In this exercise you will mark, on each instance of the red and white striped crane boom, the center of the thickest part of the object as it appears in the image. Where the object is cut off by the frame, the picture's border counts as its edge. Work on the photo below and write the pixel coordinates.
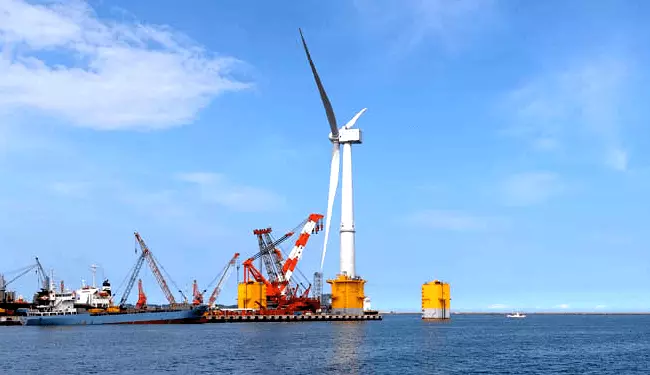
(313, 225)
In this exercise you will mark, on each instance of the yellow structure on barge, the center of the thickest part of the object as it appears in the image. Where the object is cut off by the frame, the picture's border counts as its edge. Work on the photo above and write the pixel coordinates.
(251, 295)
(436, 300)
(347, 295)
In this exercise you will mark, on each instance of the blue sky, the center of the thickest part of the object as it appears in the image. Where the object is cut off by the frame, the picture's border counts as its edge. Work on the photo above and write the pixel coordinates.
(504, 143)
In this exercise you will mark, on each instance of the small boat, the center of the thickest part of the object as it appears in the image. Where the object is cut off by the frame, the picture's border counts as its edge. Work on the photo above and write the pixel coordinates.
(516, 315)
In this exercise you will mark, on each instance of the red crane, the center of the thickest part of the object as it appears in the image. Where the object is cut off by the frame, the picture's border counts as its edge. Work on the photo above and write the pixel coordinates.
(142, 298)
(198, 297)
(278, 290)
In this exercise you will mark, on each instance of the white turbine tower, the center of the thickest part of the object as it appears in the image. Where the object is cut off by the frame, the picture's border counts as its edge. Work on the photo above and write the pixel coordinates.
(93, 267)
(345, 136)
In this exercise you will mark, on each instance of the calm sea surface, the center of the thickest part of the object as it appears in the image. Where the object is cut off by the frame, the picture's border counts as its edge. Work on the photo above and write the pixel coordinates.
(396, 345)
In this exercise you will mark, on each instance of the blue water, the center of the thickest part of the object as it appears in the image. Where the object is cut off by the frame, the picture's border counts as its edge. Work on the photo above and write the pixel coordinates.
(396, 345)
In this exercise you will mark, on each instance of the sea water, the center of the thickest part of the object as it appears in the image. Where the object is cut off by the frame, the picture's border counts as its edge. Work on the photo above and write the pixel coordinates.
(538, 344)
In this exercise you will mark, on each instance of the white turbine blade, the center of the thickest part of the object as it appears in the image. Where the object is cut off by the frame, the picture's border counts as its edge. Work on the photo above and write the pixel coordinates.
(354, 119)
(334, 182)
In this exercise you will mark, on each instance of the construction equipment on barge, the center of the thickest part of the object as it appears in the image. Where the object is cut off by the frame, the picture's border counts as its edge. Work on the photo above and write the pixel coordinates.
(10, 304)
(220, 280)
(277, 293)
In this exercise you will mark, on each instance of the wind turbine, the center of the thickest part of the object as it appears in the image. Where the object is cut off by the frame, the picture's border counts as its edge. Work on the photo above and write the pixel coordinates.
(93, 267)
(345, 136)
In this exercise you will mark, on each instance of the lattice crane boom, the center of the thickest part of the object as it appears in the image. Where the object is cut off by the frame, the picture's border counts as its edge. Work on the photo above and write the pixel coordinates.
(43, 274)
(154, 269)
(224, 277)
(134, 276)
(265, 252)
(268, 247)
(21, 272)
(273, 259)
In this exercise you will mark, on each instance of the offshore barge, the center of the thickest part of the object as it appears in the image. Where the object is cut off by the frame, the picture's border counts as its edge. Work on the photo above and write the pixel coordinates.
(9, 307)
(9, 310)
(10, 304)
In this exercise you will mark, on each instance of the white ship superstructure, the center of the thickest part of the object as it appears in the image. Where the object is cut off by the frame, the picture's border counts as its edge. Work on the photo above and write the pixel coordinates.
(49, 301)
(92, 297)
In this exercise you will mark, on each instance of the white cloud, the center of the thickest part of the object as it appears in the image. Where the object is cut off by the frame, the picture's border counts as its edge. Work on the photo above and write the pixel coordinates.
(454, 221)
(617, 159)
(69, 188)
(497, 306)
(577, 104)
(200, 178)
(600, 307)
(562, 306)
(410, 22)
(104, 74)
(530, 188)
(546, 143)
(163, 204)
(216, 188)
(17, 138)
(170, 209)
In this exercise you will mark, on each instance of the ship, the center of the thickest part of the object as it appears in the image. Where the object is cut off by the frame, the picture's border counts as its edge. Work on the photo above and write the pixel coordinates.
(92, 306)
(191, 314)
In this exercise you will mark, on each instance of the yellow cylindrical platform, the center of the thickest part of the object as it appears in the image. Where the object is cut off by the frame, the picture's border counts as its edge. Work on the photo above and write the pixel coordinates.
(436, 300)
(347, 295)
(251, 295)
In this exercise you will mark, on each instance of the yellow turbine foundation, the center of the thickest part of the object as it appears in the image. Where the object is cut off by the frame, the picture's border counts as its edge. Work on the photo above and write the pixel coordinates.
(347, 295)
(436, 300)
(251, 295)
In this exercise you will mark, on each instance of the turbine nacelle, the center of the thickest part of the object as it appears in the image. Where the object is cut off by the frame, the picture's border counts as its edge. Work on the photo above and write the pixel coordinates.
(346, 134)
(350, 136)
